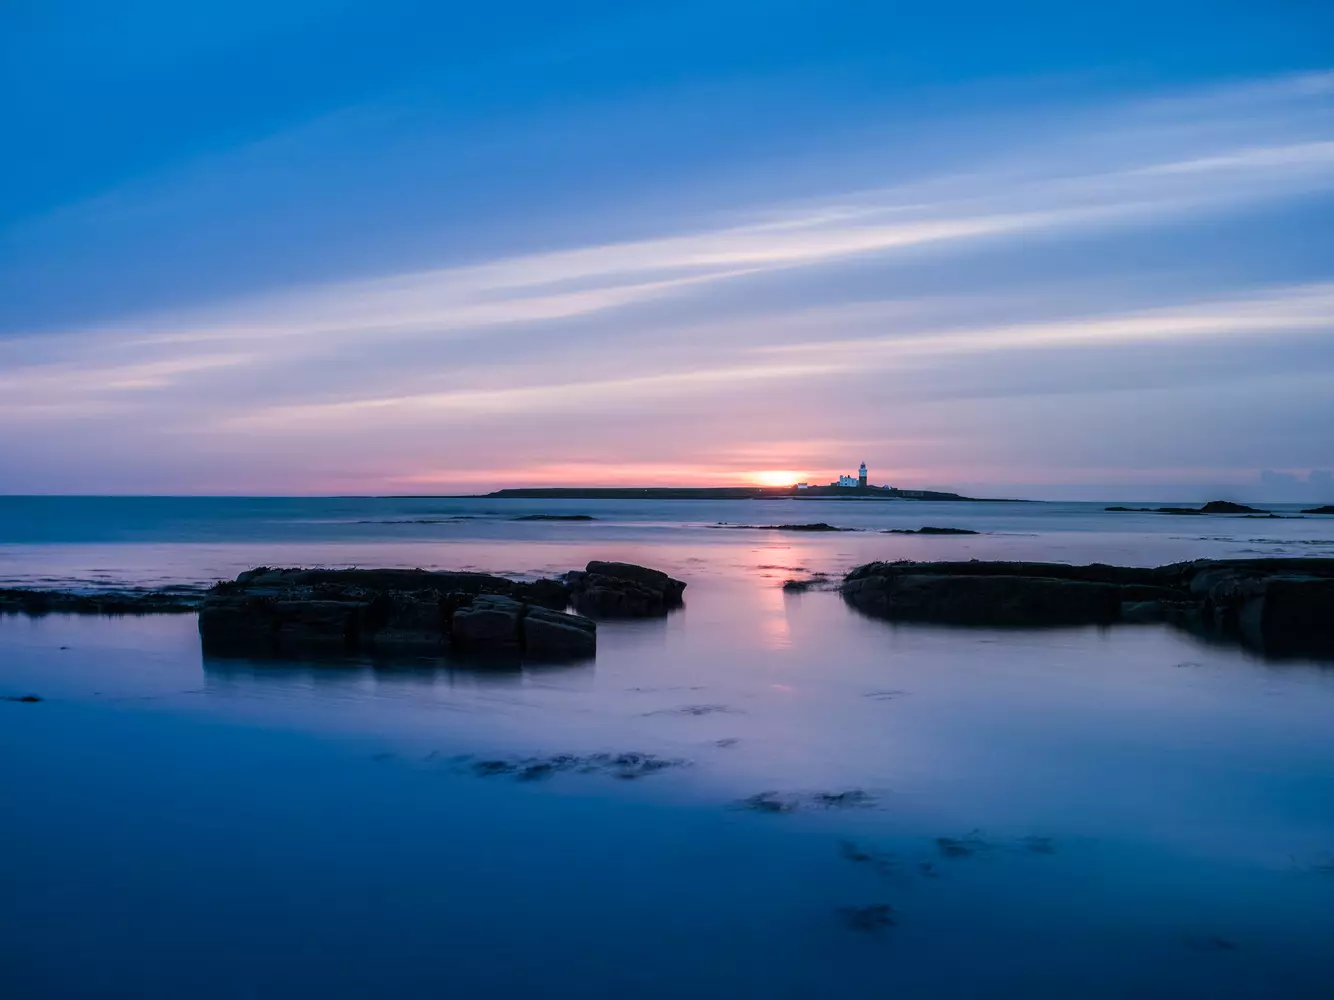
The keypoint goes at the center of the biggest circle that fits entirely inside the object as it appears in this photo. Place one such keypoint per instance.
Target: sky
(1044, 249)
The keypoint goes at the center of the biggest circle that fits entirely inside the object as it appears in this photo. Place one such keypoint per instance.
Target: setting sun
(776, 477)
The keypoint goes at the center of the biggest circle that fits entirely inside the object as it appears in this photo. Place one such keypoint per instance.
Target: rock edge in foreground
(281, 612)
(1279, 606)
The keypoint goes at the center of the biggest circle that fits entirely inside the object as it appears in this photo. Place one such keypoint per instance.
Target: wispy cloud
(1289, 310)
(700, 315)
(1052, 190)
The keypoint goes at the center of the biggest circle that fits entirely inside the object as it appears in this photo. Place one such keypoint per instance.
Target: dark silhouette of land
(721, 493)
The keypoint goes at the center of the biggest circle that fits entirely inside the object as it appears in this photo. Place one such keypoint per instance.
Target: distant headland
(844, 488)
(724, 493)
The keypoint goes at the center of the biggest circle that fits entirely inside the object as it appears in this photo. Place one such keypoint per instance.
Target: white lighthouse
(861, 476)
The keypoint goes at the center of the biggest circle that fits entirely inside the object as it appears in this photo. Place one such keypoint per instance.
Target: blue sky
(1049, 249)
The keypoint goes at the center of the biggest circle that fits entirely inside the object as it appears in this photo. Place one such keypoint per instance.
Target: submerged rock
(780, 802)
(797, 586)
(930, 531)
(868, 919)
(623, 590)
(623, 766)
(1281, 606)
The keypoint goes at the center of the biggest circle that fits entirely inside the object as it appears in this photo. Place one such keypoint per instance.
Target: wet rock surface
(816, 581)
(289, 611)
(1278, 606)
(623, 590)
(128, 602)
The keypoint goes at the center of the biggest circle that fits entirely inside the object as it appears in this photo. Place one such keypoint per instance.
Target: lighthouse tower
(861, 476)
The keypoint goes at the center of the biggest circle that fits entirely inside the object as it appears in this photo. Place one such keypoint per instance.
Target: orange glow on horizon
(776, 477)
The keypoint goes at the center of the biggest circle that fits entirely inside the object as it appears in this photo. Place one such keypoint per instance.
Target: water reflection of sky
(1125, 811)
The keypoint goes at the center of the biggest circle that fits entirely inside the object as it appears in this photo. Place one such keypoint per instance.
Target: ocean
(843, 807)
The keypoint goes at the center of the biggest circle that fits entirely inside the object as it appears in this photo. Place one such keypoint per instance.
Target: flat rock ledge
(284, 612)
(623, 590)
(1283, 607)
(25, 601)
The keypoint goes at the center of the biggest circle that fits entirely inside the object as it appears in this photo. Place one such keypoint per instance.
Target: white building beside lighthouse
(858, 480)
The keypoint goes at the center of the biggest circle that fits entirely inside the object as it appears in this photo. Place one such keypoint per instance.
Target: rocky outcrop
(1212, 507)
(930, 531)
(815, 580)
(492, 623)
(556, 517)
(1282, 606)
(290, 611)
(1228, 507)
(1326, 509)
(814, 526)
(623, 590)
(43, 602)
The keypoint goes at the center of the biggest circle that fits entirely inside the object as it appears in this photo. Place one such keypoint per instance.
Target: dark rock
(123, 602)
(623, 590)
(24, 699)
(1143, 612)
(1038, 845)
(1326, 509)
(868, 919)
(769, 802)
(366, 583)
(489, 623)
(695, 710)
(556, 517)
(930, 531)
(776, 802)
(814, 526)
(555, 635)
(811, 582)
(624, 766)
(962, 847)
(985, 600)
(852, 798)
(1228, 507)
(1280, 606)
(289, 611)
(1283, 613)
(1212, 507)
(1093, 573)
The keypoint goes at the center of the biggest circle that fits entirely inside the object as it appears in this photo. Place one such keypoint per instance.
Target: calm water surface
(1078, 812)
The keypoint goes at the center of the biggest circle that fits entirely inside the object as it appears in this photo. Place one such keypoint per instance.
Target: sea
(764, 794)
